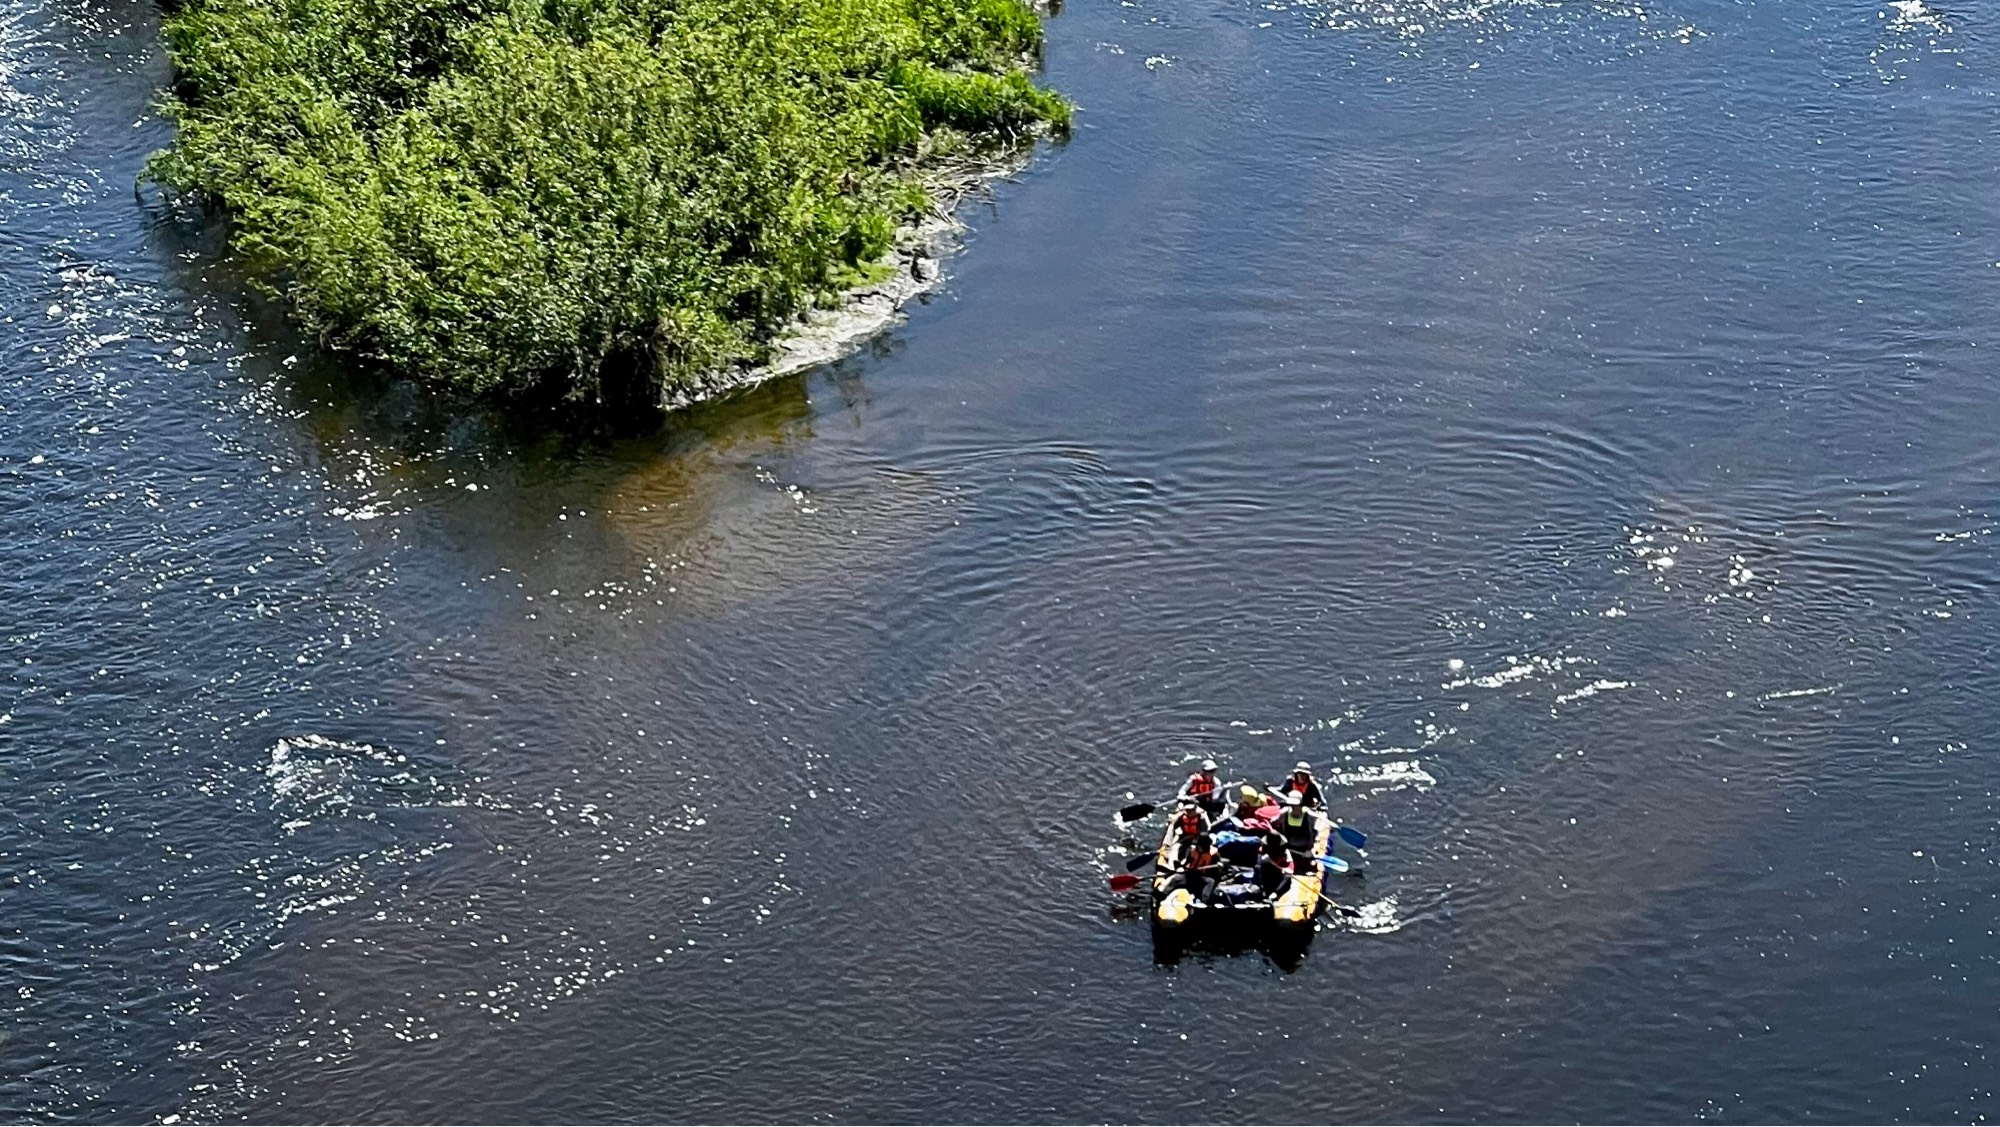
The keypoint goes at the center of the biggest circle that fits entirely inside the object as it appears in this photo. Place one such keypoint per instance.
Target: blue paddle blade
(1334, 864)
(1353, 837)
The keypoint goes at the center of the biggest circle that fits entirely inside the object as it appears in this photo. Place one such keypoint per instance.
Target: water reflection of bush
(544, 498)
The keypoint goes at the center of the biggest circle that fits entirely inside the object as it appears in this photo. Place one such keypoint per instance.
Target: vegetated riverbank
(504, 196)
(837, 323)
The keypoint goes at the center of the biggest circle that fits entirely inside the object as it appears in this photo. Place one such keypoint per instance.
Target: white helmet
(1208, 764)
(1302, 765)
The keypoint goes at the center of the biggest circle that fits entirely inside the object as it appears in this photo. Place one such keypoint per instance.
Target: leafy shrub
(495, 194)
(974, 100)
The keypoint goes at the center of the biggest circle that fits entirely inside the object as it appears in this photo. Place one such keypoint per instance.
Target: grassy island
(505, 195)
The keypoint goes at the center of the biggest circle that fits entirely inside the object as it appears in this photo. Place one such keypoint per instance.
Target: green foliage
(955, 31)
(974, 100)
(494, 193)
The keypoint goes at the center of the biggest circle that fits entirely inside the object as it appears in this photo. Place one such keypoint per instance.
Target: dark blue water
(1572, 426)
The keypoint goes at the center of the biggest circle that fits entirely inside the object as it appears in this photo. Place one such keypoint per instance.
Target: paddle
(1124, 882)
(1139, 810)
(1127, 881)
(1334, 864)
(1350, 913)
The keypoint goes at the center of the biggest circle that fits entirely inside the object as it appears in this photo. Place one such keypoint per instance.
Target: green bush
(975, 101)
(496, 194)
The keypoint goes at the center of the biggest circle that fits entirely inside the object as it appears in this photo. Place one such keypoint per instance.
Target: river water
(1571, 426)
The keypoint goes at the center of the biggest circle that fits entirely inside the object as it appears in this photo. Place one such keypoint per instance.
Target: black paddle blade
(1139, 862)
(1136, 811)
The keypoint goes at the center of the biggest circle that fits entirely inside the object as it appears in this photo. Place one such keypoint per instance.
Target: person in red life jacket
(1274, 868)
(1189, 823)
(1201, 870)
(1302, 784)
(1204, 790)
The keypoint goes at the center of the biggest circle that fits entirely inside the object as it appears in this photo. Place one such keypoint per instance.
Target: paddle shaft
(1350, 913)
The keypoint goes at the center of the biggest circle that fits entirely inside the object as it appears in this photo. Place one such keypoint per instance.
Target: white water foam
(1788, 694)
(1381, 778)
(1591, 690)
(1912, 31)
(1411, 19)
(1376, 918)
(1515, 669)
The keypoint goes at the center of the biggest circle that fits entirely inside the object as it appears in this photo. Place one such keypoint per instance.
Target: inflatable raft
(1177, 913)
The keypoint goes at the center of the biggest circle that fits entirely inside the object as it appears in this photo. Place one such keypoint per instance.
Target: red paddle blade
(1124, 882)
